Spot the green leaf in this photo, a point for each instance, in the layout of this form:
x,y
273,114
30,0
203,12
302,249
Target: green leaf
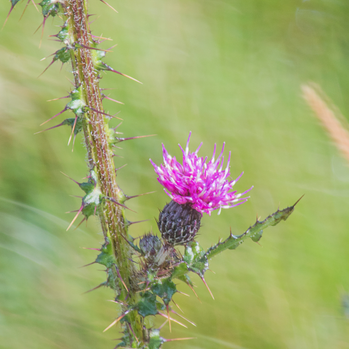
x,y
147,305
254,232
180,270
49,7
195,258
106,257
165,289
155,341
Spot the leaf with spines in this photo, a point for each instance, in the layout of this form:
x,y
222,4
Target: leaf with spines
x,y
106,257
165,289
77,104
254,232
64,35
147,304
49,7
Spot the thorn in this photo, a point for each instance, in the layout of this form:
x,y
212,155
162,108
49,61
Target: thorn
x,y
80,223
179,323
135,196
117,320
35,5
92,48
27,6
184,294
118,203
117,302
117,72
117,127
119,275
90,248
47,66
61,112
129,138
179,339
111,99
42,31
72,180
177,306
72,130
95,288
101,37
130,223
163,325
192,288
8,15
298,201
86,265
111,47
169,318
80,209
100,112
119,168
183,318
50,128
134,335
115,117
105,3
93,20
56,99
72,211
203,280
37,28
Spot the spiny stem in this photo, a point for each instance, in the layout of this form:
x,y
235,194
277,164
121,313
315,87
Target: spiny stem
x,y
100,158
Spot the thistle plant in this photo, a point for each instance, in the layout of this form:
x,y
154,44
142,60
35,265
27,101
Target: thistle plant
x,y
142,273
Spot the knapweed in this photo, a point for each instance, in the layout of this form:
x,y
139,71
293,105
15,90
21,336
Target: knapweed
x,y
196,186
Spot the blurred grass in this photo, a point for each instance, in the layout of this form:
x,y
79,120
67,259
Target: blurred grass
x,y
227,71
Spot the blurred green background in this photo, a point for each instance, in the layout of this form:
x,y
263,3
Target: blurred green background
x,y
227,71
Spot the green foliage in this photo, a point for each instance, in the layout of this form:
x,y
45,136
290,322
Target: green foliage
x,y
106,257
147,304
254,232
165,289
49,7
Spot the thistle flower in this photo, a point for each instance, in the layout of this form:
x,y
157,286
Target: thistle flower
x,y
196,184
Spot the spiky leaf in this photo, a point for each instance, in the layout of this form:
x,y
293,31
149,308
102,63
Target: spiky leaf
x,y
147,305
254,232
165,289
106,257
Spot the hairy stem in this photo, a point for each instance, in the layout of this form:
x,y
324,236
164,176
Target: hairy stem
x,y
100,158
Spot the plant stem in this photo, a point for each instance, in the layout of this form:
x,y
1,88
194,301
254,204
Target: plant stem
x,y
100,158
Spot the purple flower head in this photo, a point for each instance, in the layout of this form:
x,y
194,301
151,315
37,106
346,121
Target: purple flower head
x,y
204,185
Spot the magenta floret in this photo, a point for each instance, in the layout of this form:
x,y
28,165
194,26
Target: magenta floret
x,y
204,185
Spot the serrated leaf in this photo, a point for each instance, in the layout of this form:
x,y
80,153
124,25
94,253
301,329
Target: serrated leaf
x,y
147,305
180,270
254,232
106,257
165,289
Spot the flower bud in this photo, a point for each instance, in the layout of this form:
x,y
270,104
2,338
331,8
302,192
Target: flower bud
x,y
179,224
